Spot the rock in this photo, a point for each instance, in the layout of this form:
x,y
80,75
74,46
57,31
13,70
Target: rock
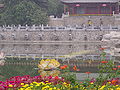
x,y
113,40
2,62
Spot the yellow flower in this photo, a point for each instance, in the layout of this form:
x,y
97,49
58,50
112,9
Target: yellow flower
x,y
21,89
46,87
22,84
76,86
28,88
55,88
118,88
102,87
38,84
91,83
50,88
31,83
31,86
26,85
64,83
48,83
35,82
10,85
42,83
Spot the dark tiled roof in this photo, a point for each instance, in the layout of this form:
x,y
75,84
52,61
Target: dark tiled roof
x,y
89,1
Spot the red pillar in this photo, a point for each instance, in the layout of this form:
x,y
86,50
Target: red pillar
x,y
117,9
73,10
69,9
110,9
64,9
98,9
86,9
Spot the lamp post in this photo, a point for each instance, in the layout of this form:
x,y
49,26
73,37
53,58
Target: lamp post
x,y
1,5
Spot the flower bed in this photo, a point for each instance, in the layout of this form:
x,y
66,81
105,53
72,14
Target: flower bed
x,y
55,83
18,81
66,80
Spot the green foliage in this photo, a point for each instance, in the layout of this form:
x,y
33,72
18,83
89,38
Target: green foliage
x,y
55,8
106,67
8,71
24,13
70,76
29,11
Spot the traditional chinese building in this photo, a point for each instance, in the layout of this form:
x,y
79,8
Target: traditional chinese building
x,y
91,7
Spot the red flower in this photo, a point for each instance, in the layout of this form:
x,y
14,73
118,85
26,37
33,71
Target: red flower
x,y
62,67
114,82
87,72
56,77
81,82
104,61
75,68
114,68
118,66
65,66
49,77
102,48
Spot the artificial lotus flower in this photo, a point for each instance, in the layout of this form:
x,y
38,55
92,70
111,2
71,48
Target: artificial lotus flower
x,y
48,64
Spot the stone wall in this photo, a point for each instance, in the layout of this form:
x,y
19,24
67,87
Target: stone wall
x,y
53,35
80,20
50,40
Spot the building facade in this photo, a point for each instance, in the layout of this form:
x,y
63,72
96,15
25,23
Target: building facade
x,y
91,7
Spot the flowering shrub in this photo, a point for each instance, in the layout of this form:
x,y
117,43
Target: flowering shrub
x,y
46,86
15,82
57,83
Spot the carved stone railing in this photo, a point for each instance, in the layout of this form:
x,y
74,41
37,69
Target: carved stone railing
x,y
41,27
36,34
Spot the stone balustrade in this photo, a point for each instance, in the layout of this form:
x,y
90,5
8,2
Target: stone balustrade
x,y
50,33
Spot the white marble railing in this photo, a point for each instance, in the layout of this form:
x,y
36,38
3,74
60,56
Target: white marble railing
x,y
81,57
41,27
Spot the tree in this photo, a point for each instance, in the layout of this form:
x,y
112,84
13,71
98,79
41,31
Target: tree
x,y
41,3
55,8
29,11
25,12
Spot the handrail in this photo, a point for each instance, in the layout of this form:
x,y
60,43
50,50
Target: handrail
x,y
41,27
83,57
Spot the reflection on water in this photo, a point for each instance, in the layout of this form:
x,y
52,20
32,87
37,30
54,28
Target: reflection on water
x,y
27,56
8,71
49,49
89,51
49,73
